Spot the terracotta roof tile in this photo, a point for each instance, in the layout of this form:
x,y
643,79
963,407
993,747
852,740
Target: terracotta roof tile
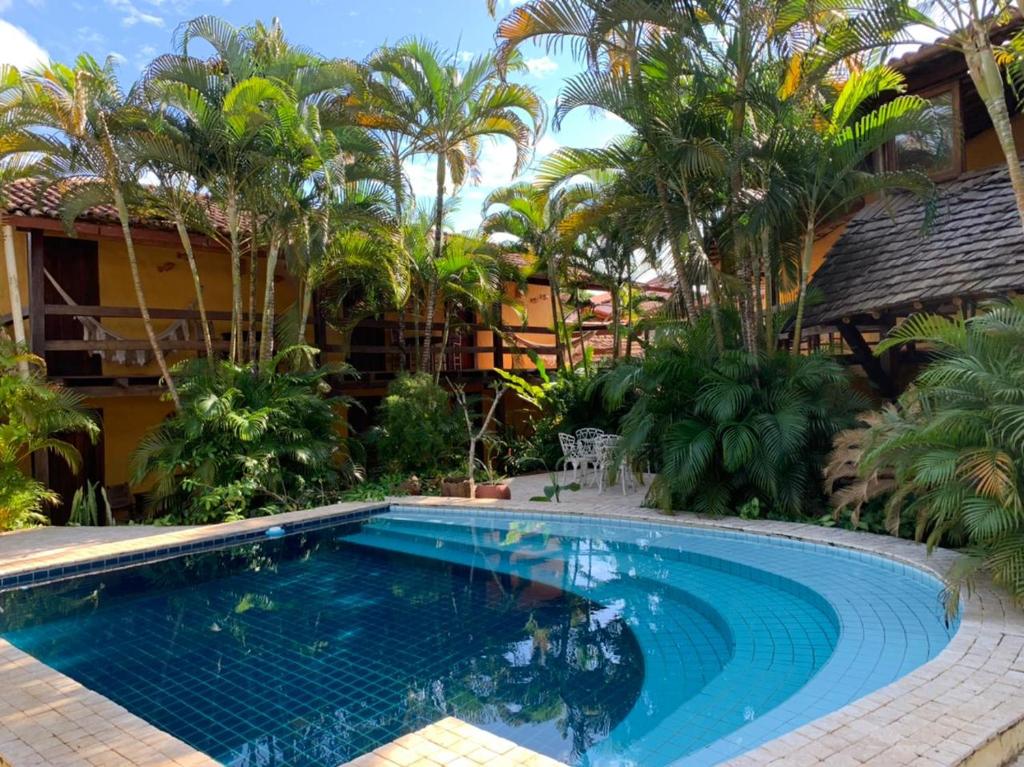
x,y
41,199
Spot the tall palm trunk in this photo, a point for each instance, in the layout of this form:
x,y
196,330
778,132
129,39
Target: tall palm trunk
x,y
305,306
629,312
14,291
805,267
682,276
552,289
140,297
738,122
432,286
399,193
616,320
989,82
186,244
769,293
269,303
236,278
696,240
253,278
444,345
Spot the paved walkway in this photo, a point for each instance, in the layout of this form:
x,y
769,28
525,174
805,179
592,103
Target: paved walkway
x,y
965,707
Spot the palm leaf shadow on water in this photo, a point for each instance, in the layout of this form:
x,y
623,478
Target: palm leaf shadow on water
x,y
311,651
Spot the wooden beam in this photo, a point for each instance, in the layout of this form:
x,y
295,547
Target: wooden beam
x,y
37,333
37,293
131,312
131,345
866,359
141,235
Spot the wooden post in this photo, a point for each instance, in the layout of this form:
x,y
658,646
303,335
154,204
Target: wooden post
x,y
37,318
499,349
867,360
14,290
37,293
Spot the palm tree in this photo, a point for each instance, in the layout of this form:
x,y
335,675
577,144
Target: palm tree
x,y
34,414
828,154
528,220
449,110
955,444
470,278
164,150
17,161
642,55
82,115
970,28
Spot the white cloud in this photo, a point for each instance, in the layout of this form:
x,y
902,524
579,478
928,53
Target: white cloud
x,y
18,48
541,67
547,145
131,15
119,58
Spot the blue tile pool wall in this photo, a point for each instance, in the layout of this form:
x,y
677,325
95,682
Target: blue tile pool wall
x,y
308,650
48,574
891,616
850,622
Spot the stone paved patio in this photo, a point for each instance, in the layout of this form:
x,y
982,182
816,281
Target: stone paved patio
x,y
965,707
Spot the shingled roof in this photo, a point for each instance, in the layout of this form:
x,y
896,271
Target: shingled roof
x,y
886,260
35,198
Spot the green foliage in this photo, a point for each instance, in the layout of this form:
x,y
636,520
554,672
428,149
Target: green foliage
x,y
417,429
385,486
246,442
564,402
751,509
553,492
724,428
956,444
33,416
85,508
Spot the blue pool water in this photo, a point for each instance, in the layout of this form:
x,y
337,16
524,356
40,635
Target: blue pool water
x,y
594,641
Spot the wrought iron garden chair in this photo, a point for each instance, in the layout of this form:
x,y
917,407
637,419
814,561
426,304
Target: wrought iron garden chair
x,y
571,457
586,447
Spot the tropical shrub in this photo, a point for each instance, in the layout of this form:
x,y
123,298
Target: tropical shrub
x,y
417,429
247,442
33,415
725,428
563,402
956,444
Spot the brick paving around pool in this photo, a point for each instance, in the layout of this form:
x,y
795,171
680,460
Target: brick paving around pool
x,y
965,707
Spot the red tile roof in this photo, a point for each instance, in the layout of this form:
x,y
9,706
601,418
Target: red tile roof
x,y
36,198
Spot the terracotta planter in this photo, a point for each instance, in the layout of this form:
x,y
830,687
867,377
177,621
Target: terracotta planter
x,y
499,491
455,488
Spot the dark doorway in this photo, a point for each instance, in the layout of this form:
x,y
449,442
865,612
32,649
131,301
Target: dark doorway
x,y
74,264
65,482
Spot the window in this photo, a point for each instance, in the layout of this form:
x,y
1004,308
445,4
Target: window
x,y
939,153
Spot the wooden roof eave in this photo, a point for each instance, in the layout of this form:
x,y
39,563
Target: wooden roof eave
x,y
141,235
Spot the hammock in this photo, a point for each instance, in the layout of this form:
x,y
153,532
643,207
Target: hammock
x,y
93,330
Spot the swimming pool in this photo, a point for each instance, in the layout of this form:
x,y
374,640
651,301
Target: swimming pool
x,y
594,641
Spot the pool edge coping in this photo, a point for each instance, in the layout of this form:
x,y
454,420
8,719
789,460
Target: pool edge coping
x,y
973,703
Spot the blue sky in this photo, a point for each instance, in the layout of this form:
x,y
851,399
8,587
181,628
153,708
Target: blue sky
x,y
134,31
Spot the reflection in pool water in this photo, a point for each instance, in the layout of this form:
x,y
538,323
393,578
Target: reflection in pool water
x,y
602,643
311,650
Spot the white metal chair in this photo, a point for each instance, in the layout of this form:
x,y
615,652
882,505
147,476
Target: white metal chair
x,y
586,447
610,462
571,457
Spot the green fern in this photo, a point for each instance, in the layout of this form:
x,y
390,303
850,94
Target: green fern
x,y
246,442
955,447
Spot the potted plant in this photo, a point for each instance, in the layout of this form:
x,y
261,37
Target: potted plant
x,y
495,486
476,435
